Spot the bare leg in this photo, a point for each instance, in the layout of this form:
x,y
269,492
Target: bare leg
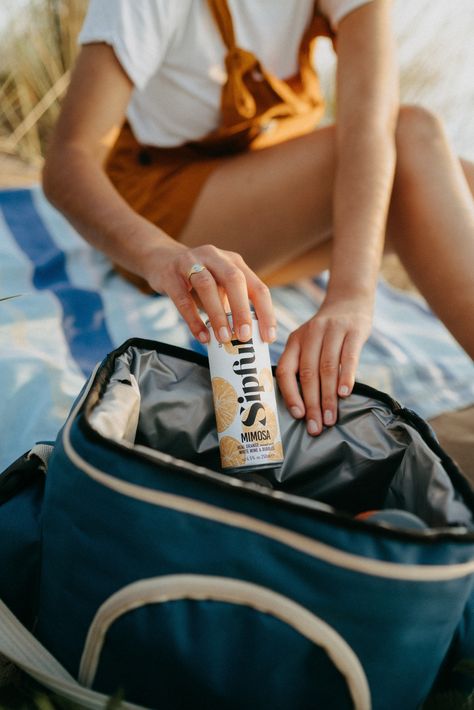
x,y
318,258
468,169
271,206
310,263
275,206
431,223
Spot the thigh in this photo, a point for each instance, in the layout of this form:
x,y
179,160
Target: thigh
x,y
271,205
468,169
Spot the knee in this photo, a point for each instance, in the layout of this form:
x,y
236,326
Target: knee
x,y
418,130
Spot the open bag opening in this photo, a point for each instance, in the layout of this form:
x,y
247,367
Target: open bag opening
x,y
377,456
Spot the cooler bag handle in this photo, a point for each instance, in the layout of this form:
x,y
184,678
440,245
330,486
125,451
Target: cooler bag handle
x,y
205,588
21,648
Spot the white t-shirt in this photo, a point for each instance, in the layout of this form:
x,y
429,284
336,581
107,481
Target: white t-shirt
x,y
173,53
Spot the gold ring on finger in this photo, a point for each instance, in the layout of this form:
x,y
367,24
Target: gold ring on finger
x,y
195,269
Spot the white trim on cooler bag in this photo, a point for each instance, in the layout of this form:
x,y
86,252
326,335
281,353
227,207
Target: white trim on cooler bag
x,y
158,590
297,541
19,646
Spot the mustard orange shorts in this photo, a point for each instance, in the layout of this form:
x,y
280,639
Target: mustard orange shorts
x,y
161,184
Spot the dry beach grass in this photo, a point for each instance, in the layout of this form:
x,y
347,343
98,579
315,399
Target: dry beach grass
x,y
35,70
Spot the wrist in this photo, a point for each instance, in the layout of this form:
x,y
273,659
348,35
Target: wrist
x,y
357,292
354,278
150,246
156,255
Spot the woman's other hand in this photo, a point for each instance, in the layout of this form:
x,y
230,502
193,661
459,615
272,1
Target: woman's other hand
x,y
226,283
324,353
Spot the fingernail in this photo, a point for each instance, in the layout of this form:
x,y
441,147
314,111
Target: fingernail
x,y
272,334
224,334
343,390
328,417
203,336
245,332
313,426
296,412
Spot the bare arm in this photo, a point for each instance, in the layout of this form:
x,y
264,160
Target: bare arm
x,y
367,108
75,182
73,178
326,350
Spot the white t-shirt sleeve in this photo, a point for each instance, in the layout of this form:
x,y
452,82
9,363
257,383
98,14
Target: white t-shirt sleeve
x,y
335,10
139,33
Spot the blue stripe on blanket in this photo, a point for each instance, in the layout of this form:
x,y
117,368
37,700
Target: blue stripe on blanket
x,y
76,309
83,313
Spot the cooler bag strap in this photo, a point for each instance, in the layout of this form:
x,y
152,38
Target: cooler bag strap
x,y
19,647
43,452
24,470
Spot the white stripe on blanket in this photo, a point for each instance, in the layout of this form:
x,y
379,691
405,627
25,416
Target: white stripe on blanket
x,y
76,309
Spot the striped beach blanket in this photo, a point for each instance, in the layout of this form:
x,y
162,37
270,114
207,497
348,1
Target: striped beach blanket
x,y
74,309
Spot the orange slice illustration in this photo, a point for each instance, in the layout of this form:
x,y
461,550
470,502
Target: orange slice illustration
x,y
229,348
277,452
225,402
265,379
232,452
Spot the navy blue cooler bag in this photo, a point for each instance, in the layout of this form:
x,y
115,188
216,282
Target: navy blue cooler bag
x,y
141,567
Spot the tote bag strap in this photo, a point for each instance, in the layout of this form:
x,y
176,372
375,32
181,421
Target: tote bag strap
x,y
19,647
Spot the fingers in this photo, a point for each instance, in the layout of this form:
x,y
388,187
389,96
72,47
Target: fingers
x,y
207,289
309,372
260,296
186,306
324,354
330,359
227,278
234,284
350,356
287,370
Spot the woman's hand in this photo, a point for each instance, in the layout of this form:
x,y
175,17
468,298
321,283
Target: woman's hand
x,y
324,352
226,282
